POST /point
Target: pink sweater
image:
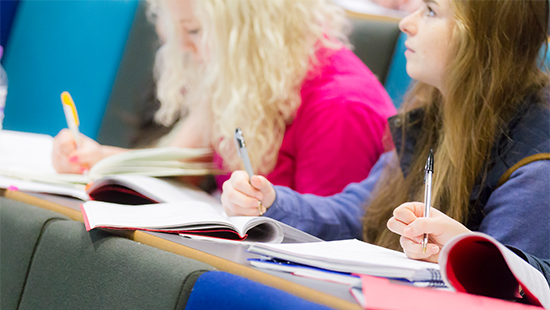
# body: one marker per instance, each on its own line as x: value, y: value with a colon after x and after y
x: 336, y: 136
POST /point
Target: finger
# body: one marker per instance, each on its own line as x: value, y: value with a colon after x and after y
x: 416, y: 208
x: 405, y: 213
x: 396, y: 226
x: 260, y: 183
x: 424, y: 225
x: 236, y: 210
x: 237, y: 202
x: 240, y: 181
x: 230, y: 209
x: 414, y: 249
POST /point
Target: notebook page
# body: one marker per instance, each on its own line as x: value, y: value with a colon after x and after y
x: 162, y: 215
x: 25, y: 151
x: 71, y: 190
x: 155, y: 154
x: 342, y: 255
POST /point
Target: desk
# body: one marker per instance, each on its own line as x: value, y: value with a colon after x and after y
x: 227, y: 257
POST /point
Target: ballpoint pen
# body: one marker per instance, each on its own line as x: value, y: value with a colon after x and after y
x: 72, y: 117
x: 243, y: 153
x: 429, y: 170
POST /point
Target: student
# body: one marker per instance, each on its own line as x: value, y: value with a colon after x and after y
x: 312, y: 113
x: 480, y: 103
x: 409, y: 223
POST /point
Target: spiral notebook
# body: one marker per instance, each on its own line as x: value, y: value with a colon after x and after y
x: 353, y: 256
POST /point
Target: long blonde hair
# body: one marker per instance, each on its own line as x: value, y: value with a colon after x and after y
x: 258, y: 55
x: 495, y: 66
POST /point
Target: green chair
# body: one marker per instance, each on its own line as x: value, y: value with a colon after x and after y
x: 374, y: 42
x: 21, y: 227
x: 380, y: 45
x: 76, y: 269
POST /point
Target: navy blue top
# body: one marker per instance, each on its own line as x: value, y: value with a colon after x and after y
x: 517, y: 213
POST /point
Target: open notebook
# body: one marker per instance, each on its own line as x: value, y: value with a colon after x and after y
x: 153, y: 204
x: 185, y: 217
x: 351, y: 256
x: 28, y: 156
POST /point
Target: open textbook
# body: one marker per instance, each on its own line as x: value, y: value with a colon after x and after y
x: 28, y: 156
x: 186, y: 217
x: 146, y: 203
x: 140, y: 202
x: 470, y: 263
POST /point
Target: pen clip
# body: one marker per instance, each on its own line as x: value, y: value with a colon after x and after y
x: 239, y: 141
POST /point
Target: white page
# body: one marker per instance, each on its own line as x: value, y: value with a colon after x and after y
x: 156, y: 154
x: 161, y: 215
x: 162, y: 190
x: 28, y: 156
x: 26, y: 151
x: 346, y: 256
x: 22, y: 185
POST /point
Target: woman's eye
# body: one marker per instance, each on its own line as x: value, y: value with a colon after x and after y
x: 194, y: 31
x: 430, y: 12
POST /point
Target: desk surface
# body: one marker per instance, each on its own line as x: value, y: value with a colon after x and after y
x: 229, y: 257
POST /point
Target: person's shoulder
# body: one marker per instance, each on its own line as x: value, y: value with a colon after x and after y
x: 531, y: 124
x: 527, y: 134
x: 344, y: 83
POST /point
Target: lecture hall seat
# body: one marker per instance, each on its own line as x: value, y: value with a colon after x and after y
x: 381, y: 46
x: 215, y: 290
x: 64, y: 45
x: 21, y: 226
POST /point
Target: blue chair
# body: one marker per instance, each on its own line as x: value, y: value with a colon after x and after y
x: 221, y: 290
x: 64, y: 45
x: 7, y: 13
x: 397, y: 80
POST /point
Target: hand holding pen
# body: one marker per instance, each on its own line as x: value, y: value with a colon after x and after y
x: 72, y: 151
x: 243, y: 154
x: 245, y: 193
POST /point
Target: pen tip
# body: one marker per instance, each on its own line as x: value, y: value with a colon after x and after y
x: 430, y: 161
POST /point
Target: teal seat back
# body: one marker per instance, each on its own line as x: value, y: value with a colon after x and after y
x: 57, y: 46
x: 397, y: 79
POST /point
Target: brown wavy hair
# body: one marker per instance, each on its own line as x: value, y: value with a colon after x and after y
x: 495, y: 65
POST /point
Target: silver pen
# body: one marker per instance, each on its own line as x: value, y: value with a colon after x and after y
x: 429, y: 171
x: 243, y: 153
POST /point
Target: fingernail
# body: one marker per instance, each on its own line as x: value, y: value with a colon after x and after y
x: 435, y: 249
x: 407, y: 231
x: 73, y: 159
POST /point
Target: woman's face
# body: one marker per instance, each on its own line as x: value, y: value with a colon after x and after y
x: 429, y: 30
x: 189, y: 28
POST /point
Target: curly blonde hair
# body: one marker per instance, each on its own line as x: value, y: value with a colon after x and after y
x: 258, y: 55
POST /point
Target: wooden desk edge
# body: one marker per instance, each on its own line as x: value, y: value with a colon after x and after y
x: 352, y: 14
x: 179, y: 249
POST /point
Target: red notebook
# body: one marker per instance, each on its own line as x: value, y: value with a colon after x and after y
x: 380, y: 293
x: 474, y: 265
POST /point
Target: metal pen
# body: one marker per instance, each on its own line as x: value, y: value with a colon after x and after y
x: 428, y: 170
x: 243, y: 153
